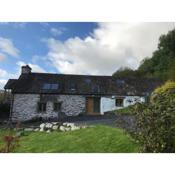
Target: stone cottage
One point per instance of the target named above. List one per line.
(57, 95)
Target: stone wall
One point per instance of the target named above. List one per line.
(25, 106)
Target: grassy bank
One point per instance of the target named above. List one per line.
(99, 139)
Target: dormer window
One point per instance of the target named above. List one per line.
(120, 82)
(48, 86)
(88, 80)
(72, 86)
(96, 88)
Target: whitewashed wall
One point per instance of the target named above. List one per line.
(108, 103)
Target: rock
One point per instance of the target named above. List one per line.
(48, 131)
(55, 127)
(67, 128)
(42, 125)
(55, 123)
(65, 123)
(62, 128)
(37, 129)
(28, 129)
(48, 125)
(71, 124)
(75, 128)
(19, 133)
(83, 127)
(41, 130)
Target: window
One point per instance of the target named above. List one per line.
(96, 88)
(120, 82)
(72, 86)
(41, 107)
(57, 107)
(54, 86)
(88, 80)
(48, 86)
(119, 102)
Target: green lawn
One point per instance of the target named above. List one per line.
(99, 139)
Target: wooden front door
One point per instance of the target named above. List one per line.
(92, 105)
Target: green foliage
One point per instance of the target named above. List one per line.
(168, 86)
(156, 121)
(130, 111)
(99, 139)
(127, 72)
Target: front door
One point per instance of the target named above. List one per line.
(92, 105)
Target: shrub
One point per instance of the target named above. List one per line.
(156, 121)
(11, 142)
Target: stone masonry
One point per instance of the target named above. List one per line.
(25, 106)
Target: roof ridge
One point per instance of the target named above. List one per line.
(70, 74)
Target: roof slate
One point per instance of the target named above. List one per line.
(84, 84)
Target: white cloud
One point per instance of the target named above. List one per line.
(4, 76)
(109, 47)
(35, 67)
(57, 31)
(3, 73)
(7, 46)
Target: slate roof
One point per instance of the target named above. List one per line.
(81, 84)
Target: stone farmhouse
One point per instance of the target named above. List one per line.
(47, 95)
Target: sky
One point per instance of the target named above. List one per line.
(76, 48)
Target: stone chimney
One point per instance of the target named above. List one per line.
(26, 69)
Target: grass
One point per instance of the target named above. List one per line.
(99, 139)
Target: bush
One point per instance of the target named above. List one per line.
(156, 121)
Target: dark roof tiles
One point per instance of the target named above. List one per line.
(85, 84)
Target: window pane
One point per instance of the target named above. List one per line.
(72, 86)
(119, 102)
(46, 86)
(54, 86)
(57, 106)
(120, 82)
(41, 107)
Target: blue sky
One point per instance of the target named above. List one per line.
(76, 48)
(28, 39)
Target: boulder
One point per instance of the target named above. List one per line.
(48, 131)
(67, 128)
(28, 129)
(65, 124)
(55, 127)
(75, 128)
(71, 124)
(41, 130)
(55, 123)
(62, 128)
(42, 125)
(19, 133)
(48, 125)
(83, 127)
(37, 129)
